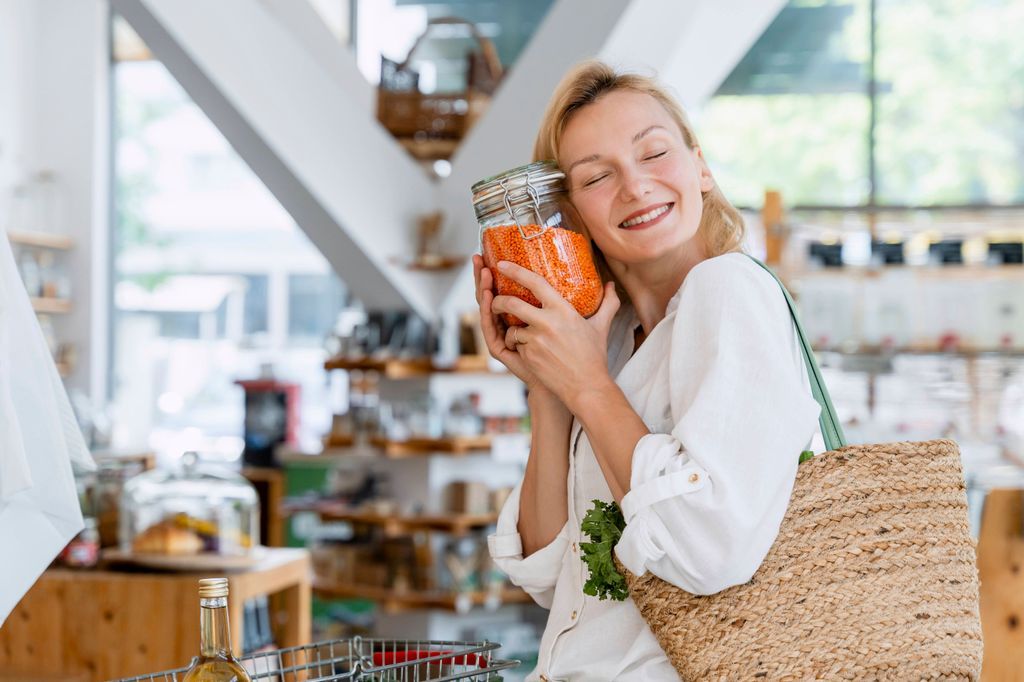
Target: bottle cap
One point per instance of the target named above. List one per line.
(211, 588)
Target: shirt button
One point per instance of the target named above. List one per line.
(544, 678)
(574, 547)
(694, 478)
(574, 615)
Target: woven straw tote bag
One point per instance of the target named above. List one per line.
(872, 576)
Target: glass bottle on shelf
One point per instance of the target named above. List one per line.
(215, 662)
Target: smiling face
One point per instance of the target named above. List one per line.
(633, 180)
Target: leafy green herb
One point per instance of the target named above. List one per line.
(806, 455)
(604, 525)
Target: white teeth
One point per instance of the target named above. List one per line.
(646, 217)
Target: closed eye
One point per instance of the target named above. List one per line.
(655, 156)
(594, 181)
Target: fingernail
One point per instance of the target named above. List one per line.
(503, 265)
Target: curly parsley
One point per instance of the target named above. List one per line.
(604, 525)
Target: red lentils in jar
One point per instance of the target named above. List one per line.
(523, 219)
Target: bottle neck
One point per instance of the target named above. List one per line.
(215, 637)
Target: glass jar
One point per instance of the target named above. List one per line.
(111, 476)
(192, 509)
(525, 217)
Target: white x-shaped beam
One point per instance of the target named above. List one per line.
(290, 100)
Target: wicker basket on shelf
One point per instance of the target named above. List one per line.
(431, 125)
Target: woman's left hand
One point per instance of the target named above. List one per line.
(566, 352)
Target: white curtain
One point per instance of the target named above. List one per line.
(39, 440)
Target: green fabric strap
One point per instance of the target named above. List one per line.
(831, 429)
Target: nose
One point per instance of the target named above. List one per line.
(635, 184)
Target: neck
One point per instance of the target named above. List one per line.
(651, 285)
(215, 638)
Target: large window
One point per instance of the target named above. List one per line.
(213, 281)
(951, 117)
(876, 103)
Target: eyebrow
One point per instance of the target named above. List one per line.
(639, 136)
(594, 157)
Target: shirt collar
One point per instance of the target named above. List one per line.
(673, 303)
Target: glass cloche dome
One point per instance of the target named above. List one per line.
(193, 508)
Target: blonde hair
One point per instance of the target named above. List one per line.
(721, 225)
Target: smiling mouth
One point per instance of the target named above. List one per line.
(646, 219)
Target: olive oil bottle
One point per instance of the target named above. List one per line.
(215, 663)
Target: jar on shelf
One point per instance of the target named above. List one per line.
(191, 509)
(38, 204)
(525, 217)
(83, 551)
(111, 476)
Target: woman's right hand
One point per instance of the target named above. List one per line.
(494, 328)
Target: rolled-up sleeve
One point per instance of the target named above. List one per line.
(537, 573)
(707, 497)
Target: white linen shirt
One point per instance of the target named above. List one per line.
(722, 386)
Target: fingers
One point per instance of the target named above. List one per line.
(493, 336)
(477, 265)
(515, 336)
(482, 275)
(539, 286)
(609, 306)
(531, 315)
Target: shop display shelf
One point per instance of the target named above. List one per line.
(344, 450)
(51, 305)
(338, 440)
(41, 240)
(417, 447)
(920, 349)
(394, 524)
(392, 368)
(398, 368)
(394, 601)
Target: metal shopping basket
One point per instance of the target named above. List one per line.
(366, 659)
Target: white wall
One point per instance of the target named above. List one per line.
(54, 115)
(17, 24)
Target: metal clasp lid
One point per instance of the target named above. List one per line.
(528, 190)
(521, 188)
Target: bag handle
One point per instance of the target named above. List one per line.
(487, 48)
(831, 428)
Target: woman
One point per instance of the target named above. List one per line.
(688, 404)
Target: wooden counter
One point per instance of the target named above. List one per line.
(106, 624)
(1001, 570)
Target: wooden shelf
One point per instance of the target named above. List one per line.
(429, 150)
(51, 305)
(392, 369)
(438, 264)
(408, 368)
(379, 447)
(417, 447)
(41, 240)
(393, 525)
(393, 601)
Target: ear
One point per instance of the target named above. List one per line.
(707, 181)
